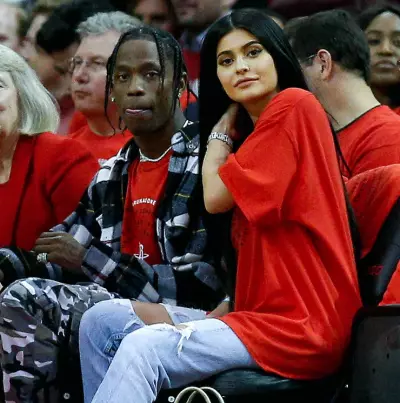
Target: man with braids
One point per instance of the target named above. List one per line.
(137, 234)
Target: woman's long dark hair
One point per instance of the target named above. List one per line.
(364, 19)
(214, 102)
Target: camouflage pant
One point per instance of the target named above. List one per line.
(39, 321)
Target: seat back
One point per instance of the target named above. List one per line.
(375, 197)
(378, 266)
(376, 356)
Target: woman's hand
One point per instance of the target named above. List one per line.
(227, 122)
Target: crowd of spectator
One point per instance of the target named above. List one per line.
(189, 187)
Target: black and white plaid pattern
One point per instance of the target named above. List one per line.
(187, 277)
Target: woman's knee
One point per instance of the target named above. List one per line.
(151, 343)
(141, 344)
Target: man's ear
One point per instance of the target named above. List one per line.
(326, 63)
(183, 84)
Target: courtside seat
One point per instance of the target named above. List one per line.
(240, 386)
(379, 265)
(375, 366)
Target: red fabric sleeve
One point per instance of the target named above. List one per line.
(260, 173)
(373, 194)
(71, 168)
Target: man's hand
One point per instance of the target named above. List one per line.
(61, 249)
(221, 310)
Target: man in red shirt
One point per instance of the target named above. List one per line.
(334, 54)
(53, 34)
(104, 134)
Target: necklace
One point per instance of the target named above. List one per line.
(143, 158)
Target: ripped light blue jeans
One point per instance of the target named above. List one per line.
(124, 360)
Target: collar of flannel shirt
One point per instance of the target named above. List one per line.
(173, 216)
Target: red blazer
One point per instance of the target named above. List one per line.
(48, 177)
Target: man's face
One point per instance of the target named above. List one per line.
(9, 26)
(197, 14)
(312, 75)
(155, 13)
(319, 73)
(89, 72)
(40, 61)
(58, 62)
(28, 46)
(143, 103)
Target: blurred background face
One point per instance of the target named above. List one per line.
(155, 13)
(40, 61)
(383, 36)
(197, 14)
(89, 72)
(28, 46)
(9, 25)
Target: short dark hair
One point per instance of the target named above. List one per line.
(337, 32)
(367, 16)
(59, 31)
(168, 49)
(45, 7)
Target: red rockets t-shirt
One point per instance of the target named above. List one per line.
(146, 187)
(296, 287)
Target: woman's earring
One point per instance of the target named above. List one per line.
(112, 99)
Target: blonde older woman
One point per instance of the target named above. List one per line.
(42, 176)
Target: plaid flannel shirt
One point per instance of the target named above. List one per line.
(186, 277)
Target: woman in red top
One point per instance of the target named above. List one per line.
(42, 176)
(296, 284)
(293, 260)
